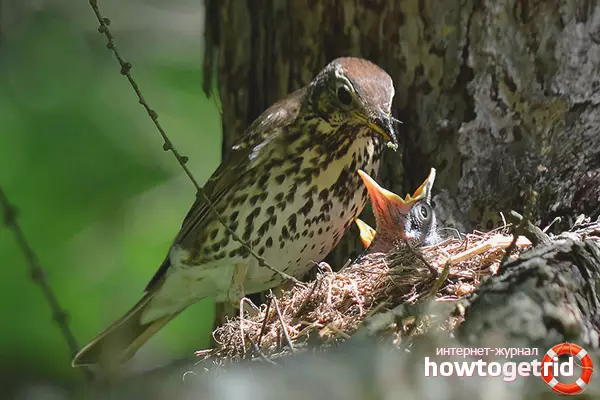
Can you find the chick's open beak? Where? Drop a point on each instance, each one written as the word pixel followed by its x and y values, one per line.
pixel 423 191
pixel 382 125
pixel 367 234
pixel 385 203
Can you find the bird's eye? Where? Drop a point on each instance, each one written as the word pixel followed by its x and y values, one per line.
pixel 424 211
pixel 344 95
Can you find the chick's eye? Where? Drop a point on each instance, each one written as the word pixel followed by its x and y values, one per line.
pixel 424 212
pixel 344 95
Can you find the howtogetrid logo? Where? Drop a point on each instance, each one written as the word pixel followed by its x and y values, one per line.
pixel 551 368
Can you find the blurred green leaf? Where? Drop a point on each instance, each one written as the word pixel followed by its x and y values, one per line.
pixel 99 200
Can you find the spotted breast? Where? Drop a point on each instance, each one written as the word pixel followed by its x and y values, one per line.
pixel 289 189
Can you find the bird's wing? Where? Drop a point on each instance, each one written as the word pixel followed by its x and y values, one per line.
pixel 245 156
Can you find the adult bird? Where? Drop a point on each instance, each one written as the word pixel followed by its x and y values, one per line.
pixel 289 189
pixel 397 219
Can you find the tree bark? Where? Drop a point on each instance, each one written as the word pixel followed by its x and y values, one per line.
pixel 545 297
pixel 501 96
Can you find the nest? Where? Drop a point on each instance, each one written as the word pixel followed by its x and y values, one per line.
pixel 333 306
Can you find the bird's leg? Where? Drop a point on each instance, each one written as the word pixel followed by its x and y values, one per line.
pixel 236 293
pixel 236 289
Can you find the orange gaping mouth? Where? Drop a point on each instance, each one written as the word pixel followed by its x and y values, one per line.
pixel 386 204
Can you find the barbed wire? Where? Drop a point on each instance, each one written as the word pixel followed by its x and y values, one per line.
pixel 168 144
pixel 59 315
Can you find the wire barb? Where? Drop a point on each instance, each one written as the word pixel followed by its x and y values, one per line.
pixel 37 275
pixel 168 144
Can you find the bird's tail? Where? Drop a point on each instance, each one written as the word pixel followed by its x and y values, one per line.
pixel 119 342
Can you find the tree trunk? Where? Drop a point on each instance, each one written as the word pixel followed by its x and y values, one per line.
pixel 501 96
pixel 545 297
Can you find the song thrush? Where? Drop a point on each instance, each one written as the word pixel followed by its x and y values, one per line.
pixel 397 219
pixel 290 189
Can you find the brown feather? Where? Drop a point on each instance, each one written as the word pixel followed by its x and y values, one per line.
pixel 119 342
pixel 233 169
pixel 287 137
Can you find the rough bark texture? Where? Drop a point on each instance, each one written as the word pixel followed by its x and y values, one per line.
pixel 545 297
pixel 501 96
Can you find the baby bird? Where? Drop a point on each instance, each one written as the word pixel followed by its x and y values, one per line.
pixel 397 219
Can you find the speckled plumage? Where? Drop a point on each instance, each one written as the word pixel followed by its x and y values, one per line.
pixel 290 189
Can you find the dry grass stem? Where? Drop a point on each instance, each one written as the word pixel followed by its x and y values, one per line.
pixel 333 306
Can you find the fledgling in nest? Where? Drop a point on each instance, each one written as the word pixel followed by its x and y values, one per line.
pixel 391 271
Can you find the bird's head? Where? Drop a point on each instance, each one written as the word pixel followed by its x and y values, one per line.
pixel 353 91
pixel 411 218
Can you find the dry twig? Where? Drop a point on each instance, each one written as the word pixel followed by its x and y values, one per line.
pixel 281 320
pixel 337 303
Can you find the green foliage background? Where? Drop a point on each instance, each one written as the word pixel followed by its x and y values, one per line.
pixel 97 197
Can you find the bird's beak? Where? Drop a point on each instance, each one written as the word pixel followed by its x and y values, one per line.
pixel 384 201
pixel 382 125
pixel 367 234
pixel 387 204
pixel 423 191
